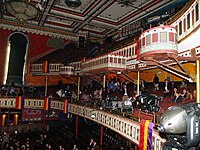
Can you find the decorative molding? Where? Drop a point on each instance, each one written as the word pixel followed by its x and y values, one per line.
pixel 12 25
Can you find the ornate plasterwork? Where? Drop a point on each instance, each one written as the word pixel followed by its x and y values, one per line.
pixel 11 25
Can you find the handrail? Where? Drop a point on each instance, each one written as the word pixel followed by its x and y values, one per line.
pixel 126 127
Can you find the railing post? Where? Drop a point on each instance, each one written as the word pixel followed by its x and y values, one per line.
pixel 78 90
pixel 101 137
pixel 138 83
pixel 76 126
pixel 8 120
pixel 197 82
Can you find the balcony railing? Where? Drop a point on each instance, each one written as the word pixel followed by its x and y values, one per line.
pixel 124 126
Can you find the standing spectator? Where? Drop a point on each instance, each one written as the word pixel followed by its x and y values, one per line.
pixel 143 85
pixel 156 82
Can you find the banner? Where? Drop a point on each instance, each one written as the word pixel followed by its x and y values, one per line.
pixel 19 102
pixel 146 129
pixel 3 120
pixel 47 103
pixel 65 107
pixel 15 119
pixel 45 67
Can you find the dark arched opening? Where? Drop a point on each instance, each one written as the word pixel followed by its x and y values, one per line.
pixel 18 46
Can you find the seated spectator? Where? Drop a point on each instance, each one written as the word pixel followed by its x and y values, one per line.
pixel 194 94
pixel 185 94
pixel 167 88
pixel 175 90
pixel 177 98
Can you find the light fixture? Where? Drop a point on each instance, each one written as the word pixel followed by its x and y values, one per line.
pixel 22 10
pixel 73 3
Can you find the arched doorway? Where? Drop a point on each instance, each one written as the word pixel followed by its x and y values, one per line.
pixel 16 59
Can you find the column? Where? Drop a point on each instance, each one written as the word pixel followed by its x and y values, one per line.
pixel 101 137
pixel 104 82
pixel 8 120
pixel 197 83
pixel 138 83
pixel 76 126
pixel 78 93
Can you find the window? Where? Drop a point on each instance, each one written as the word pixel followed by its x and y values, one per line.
pixel 155 37
pixel 140 43
pixel 143 41
pixel 180 27
pixel 171 37
pixel 129 54
pixel 119 60
pixel 163 36
pixel 115 60
pixel 197 11
pixel 148 39
pixel 111 59
pixel 123 61
pixel 188 21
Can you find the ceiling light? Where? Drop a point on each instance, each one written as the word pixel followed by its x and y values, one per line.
pixel 73 3
pixel 22 10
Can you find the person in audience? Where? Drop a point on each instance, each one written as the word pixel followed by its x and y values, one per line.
pixel 75 147
pixel 185 94
pixel 167 88
pixel 183 85
pixel 143 85
pixel 91 144
pixel 194 94
pixel 177 98
pixel 134 104
pixel 156 82
pixel 95 147
pixel 175 90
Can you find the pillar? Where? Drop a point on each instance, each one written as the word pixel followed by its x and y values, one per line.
pixel 43 119
pixel 104 82
pixel 101 137
pixel 197 83
pixel 78 93
pixel 138 83
pixel 76 126
pixel 46 85
pixel 8 120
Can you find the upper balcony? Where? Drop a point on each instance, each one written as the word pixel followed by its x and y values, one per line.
pixel 105 63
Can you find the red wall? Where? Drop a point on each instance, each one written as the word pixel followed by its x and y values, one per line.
pixel 37 46
pixel 4 34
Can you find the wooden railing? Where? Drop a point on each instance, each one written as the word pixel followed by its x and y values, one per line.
pixel 126 127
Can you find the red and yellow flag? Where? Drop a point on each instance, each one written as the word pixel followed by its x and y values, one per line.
pixel 15 119
pixel 47 103
pixel 146 128
pixel 19 102
pixel 65 107
pixel 3 120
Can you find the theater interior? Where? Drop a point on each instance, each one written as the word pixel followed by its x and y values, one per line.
pixel 100 74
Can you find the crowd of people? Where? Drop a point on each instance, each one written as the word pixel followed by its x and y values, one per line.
pixel 177 92
pixel 13 142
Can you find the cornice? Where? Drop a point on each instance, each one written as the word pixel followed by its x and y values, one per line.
pixel 29 28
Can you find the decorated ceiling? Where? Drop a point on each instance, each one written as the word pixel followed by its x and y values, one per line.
pixel 97 18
